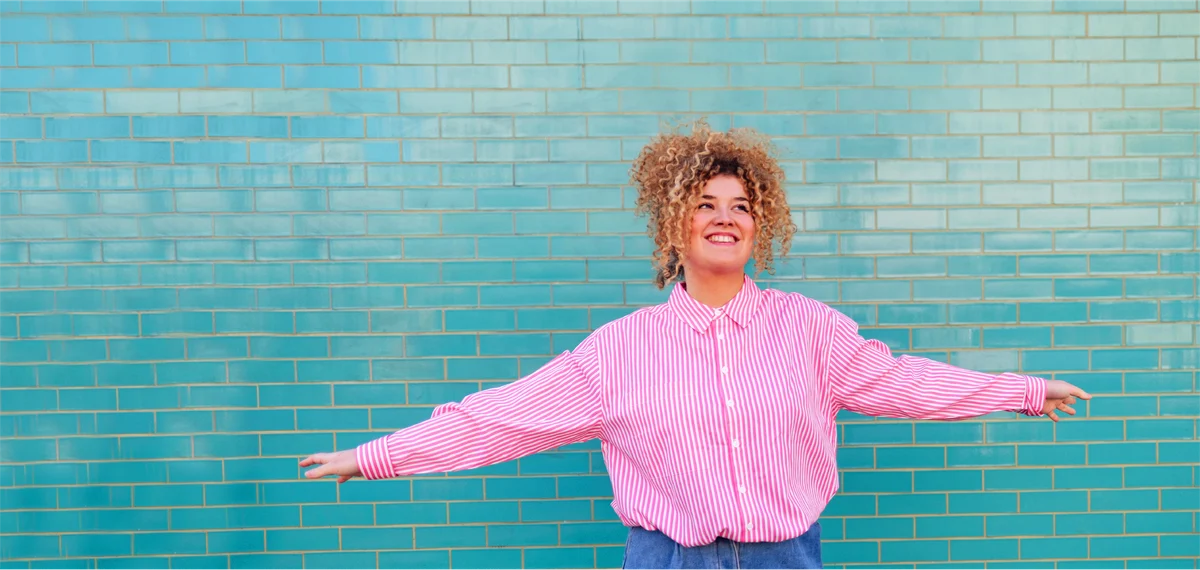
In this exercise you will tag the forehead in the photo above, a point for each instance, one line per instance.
(724, 186)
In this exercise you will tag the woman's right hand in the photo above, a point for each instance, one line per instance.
(1059, 397)
(344, 464)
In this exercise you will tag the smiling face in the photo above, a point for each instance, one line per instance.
(722, 231)
(676, 168)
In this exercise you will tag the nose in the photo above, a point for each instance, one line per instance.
(724, 216)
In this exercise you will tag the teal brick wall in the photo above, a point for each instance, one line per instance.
(236, 232)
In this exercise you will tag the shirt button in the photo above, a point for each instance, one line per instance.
(720, 336)
(742, 489)
(729, 403)
(724, 370)
(735, 444)
(749, 526)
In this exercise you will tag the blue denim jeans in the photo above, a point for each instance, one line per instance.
(653, 549)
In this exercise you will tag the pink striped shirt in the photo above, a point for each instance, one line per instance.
(713, 423)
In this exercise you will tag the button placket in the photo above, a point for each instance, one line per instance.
(726, 386)
(724, 369)
(723, 357)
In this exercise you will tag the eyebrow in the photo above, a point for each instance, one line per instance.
(711, 197)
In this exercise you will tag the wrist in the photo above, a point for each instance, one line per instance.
(1035, 396)
(374, 459)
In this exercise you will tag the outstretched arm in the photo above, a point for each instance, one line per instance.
(866, 378)
(556, 405)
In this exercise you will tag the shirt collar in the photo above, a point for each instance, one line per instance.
(741, 308)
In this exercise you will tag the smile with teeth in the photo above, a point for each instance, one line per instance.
(722, 238)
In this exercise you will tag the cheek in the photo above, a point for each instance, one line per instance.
(747, 226)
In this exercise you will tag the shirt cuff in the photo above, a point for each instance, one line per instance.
(1035, 396)
(374, 461)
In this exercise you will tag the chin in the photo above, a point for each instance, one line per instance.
(725, 268)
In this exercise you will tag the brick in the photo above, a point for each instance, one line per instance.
(1122, 25)
(319, 27)
(1052, 73)
(1016, 50)
(24, 78)
(141, 102)
(543, 28)
(1123, 73)
(37, 29)
(125, 6)
(692, 27)
(946, 99)
(41, 55)
(312, 76)
(241, 28)
(203, 6)
(77, 102)
(1180, 72)
(243, 76)
(976, 26)
(283, 52)
(164, 28)
(141, 53)
(907, 26)
(293, 7)
(945, 50)
(1179, 24)
(835, 27)
(208, 52)
(1087, 6)
(1160, 48)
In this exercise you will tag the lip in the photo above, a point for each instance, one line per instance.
(708, 239)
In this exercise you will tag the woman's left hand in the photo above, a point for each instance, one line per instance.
(1059, 396)
(344, 464)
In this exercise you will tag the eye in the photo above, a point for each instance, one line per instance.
(743, 207)
(704, 205)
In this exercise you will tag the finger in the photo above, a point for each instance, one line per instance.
(344, 478)
(318, 472)
(314, 458)
(1069, 400)
(1067, 409)
(1052, 415)
(1076, 391)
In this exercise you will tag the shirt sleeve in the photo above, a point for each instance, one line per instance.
(865, 378)
(556, 405)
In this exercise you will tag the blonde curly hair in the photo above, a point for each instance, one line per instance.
(670, 172)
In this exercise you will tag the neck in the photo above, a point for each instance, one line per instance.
(713, 290)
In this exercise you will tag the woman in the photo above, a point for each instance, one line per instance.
(716, 409)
